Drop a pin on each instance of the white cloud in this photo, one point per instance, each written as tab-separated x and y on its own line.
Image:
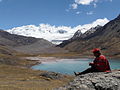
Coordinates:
95	5
85	2
90	13
74	6
78	12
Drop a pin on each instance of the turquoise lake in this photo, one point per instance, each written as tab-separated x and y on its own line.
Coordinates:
68	66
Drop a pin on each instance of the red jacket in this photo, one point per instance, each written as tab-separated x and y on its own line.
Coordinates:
101	64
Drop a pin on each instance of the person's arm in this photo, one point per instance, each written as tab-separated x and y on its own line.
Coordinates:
91	64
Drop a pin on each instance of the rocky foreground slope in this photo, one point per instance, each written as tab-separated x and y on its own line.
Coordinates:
95	81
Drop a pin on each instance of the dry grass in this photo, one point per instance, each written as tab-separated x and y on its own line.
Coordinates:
17	78
61	55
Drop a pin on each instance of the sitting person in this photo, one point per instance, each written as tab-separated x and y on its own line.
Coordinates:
100	64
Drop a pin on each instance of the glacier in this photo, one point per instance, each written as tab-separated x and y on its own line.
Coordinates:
54	34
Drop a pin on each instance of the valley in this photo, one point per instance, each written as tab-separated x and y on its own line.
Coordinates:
15	68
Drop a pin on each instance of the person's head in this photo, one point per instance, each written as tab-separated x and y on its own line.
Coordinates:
96	52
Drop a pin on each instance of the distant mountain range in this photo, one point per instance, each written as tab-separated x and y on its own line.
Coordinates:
107	38
11	42
52	33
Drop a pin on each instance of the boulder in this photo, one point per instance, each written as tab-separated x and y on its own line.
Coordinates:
95	81
52	75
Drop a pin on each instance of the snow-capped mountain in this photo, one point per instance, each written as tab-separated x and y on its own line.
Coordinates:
79	34
52	33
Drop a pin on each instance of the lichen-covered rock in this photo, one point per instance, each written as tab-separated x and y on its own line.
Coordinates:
52	75
95	81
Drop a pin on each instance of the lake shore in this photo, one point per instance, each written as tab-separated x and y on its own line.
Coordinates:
51	58
48	63
40	60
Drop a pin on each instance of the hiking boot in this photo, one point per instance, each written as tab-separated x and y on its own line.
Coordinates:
76	74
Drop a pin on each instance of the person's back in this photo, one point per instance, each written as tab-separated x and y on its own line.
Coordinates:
101	64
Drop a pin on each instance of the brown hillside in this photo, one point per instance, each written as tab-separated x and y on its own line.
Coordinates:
107	38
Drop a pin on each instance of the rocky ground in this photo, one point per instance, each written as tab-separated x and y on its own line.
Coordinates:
95	81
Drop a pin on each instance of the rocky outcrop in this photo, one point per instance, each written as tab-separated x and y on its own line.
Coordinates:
80	35
52	75
95	81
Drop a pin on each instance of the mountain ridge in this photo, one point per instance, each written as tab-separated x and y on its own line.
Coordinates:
79	35
54	34
107	38
24	44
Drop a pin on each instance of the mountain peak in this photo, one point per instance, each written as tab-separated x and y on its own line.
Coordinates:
118	16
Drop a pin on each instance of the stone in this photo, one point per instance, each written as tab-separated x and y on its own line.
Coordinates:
95	81
52	75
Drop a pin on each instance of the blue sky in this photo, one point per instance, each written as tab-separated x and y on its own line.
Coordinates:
14	13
